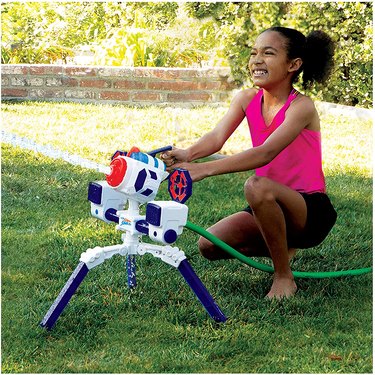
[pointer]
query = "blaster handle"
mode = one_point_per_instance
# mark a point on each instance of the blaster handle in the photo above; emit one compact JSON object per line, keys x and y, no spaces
{"x":159,"y":150}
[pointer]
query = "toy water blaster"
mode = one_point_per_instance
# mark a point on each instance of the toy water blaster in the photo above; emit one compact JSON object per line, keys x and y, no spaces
{"x":133,"y":178}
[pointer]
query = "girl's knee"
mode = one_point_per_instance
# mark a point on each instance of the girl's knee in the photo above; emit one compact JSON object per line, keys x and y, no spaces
{"x":257,"y":190}
{"x":256,"y":183}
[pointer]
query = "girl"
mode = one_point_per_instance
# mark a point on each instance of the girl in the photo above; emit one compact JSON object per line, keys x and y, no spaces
{"x":288,"y":205}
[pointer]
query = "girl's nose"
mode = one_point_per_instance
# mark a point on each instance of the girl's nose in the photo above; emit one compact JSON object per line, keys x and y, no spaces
{"x":255,"y":60}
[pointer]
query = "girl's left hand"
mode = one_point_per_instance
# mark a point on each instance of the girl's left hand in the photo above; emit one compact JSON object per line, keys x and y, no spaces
{"x":197,"y":171}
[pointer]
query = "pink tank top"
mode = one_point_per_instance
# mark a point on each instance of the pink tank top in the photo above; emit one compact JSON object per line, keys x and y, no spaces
{"x":299,"y":165}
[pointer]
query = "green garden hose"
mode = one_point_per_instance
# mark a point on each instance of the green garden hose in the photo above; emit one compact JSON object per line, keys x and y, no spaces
{"x":263,"y":267}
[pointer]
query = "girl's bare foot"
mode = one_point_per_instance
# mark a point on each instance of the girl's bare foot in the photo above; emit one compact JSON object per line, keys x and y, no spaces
{"x":282,"y":287}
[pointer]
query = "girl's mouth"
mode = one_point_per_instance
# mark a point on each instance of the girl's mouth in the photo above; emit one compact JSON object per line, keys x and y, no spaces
{"x":259,"y":72}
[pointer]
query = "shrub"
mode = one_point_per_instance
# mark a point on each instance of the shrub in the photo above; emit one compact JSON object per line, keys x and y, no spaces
{"x":189,"y":34}
{"x":348,"y":23}
{"x":142,"y":44}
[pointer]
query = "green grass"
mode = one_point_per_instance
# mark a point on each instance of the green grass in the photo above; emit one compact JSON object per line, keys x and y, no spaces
{"x":160,"y":327}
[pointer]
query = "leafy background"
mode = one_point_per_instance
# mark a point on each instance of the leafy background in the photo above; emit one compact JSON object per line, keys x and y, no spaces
{"x":190,"y":34}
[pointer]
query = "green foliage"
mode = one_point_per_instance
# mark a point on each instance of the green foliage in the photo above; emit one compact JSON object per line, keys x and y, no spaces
{"x":190,"y":34}
{"x":350,"y":26}
{"x":124,"y":48}
{"x":158,"y":15}
{"x":239,"y":25}
{"x":49,"y":32}
{"x":348,"y":23}
{"x":31,"y":34}
{"x":140,"y":43}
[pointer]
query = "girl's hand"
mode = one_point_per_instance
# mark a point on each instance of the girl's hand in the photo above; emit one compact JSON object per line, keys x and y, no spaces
{"x":179,"y":158}
{"x":176,"y":155}
{"x":197,"y":171}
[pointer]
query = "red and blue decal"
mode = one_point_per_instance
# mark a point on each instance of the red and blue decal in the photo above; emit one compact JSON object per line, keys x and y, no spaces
{"x":180,"y":185}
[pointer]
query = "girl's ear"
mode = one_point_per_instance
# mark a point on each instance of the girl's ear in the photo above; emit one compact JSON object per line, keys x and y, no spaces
{"x":295,"y":64}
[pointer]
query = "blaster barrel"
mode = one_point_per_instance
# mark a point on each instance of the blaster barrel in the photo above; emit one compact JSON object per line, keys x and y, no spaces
{"x":138,"y":176}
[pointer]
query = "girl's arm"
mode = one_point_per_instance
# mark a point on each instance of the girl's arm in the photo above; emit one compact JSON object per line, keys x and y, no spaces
{"x":299,"y":116}
{"x":214,"y":140}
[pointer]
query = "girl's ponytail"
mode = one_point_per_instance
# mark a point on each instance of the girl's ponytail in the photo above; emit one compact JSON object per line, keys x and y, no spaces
{"x":318,"y":59}
{"x":316,"y":51}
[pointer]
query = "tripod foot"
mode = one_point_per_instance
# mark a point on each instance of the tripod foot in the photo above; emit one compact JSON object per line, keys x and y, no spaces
{"x":65,"y":295}
{"x":201,"y":292}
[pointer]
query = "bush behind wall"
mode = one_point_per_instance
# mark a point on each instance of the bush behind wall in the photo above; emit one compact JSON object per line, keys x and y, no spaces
{"x":49,"y":32}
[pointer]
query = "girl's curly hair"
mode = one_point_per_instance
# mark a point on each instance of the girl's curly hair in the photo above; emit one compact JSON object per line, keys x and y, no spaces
{"x":316,"y":51}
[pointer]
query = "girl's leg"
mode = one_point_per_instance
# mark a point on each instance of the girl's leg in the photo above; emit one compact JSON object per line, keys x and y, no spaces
{"x":239,"y":231}
{"x":277,"y":210}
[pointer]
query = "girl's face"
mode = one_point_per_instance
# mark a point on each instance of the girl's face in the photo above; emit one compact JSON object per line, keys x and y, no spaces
{"x":269,"y":64}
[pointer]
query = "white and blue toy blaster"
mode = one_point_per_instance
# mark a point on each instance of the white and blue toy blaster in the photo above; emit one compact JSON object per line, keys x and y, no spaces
{"x":133,"y":179}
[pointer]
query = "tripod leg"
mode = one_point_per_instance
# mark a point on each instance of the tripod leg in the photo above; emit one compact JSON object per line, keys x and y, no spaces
{"x":65,"y":295}
{"x":201,"y":292}
{"x":131,"y":270}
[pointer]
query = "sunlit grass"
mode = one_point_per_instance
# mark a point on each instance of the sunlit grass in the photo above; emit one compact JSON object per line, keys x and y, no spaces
{"x":96,"y":131}
{"x":160,"y":327}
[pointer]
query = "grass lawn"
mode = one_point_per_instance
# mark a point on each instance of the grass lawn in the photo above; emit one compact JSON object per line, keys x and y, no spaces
{"x":160,"y":327}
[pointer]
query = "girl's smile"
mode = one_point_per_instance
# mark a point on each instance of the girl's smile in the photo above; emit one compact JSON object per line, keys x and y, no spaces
{"x":259,"y":72}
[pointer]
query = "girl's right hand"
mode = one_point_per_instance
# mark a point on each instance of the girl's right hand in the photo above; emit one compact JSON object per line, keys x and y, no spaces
{"x":176,"y":155}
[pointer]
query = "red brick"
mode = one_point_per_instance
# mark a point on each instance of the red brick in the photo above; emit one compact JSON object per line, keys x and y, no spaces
{"x":222,"y":97}
{"x":14,"y":92}
{"x":70,"y":82}
{"x":189,"y":97}
{"x":45,"y":69}
{"x":115,"y":71}
{"x":35,"y":81}
{"x":19,"y":81}
{"x":80,"y":71}
{"x":188,"y":73}
{"x":37,"y":93}
{"x":173,"y":85}
{"x":79,"y":94}
{"x":228,"y":86}
{"x":113,"y":95}
{"x":223,"y":85}
{"x":54,"y":93}
{"x":146,"y":96}
{"x":129,"y":85}
{"x":210,"y":85}
{"x":99,"y":83}
{"x":5,"y":81}
{"x":166,"y":73}
{"x":14,"y":69}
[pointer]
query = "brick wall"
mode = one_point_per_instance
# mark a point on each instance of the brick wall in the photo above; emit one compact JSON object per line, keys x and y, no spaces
{"x":114,"y":85}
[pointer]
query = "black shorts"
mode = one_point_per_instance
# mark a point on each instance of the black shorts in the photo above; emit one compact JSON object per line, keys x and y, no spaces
{"x":321,"y":217}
